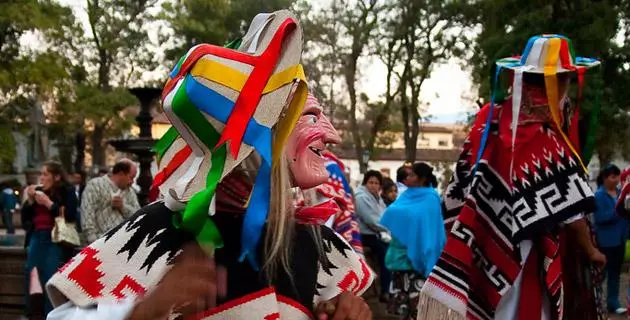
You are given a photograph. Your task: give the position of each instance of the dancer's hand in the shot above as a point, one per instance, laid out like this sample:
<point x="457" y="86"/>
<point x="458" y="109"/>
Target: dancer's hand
<point x="598" y="259"/>
<point x="346" y="306"/>
<point x="188" y="288"/>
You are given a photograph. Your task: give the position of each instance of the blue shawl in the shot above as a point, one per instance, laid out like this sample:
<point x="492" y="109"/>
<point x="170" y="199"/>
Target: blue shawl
<point x="415" y="219"/>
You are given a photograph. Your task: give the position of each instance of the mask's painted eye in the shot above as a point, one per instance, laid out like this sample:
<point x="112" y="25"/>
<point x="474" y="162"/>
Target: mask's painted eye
<point x="311" y="118"/>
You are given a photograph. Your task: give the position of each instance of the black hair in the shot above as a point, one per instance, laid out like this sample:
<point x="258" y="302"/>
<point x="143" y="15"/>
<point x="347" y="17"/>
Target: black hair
<point x="370" y="174"/>
<point x="122" y="166"/>
<point x="56" y="170"/>
<point x="82" y="173"/>
<point x="103" y="170"/>
<point x="388" y="185"/>
<point x="402" y="173"/>
<point x="423" y="170"/>
<point x="608" y="171"/>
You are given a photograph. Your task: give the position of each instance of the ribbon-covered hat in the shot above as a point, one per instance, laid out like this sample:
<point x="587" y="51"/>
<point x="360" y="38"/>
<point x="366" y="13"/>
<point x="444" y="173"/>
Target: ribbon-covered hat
<point x="224" y="104"/>
<point x="548" y="55"/>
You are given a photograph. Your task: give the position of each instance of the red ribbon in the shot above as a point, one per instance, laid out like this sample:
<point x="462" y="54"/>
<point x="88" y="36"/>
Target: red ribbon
<point x="163" y="175"/>
<point x="530" y="302"/>
<point x="247" y="101"/>
<point x="317" y="214"/>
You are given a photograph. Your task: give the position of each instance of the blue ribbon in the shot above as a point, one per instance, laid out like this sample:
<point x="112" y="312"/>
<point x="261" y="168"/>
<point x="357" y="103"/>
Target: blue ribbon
<point x="220" y="108"/>
<point x="257" y="136"/>
<point x="486" y="130"/>
<point x="528" y="48"/>
<point x="256" y="215"/>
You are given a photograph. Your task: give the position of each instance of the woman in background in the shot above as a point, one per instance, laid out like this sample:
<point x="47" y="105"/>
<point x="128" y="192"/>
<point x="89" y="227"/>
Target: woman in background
<point x="611" y="231"/>
<point x="390" y="192"/>
<point x="369" y="207"/>
<point x="418" y="236"/>
<point x="53" y="197"/>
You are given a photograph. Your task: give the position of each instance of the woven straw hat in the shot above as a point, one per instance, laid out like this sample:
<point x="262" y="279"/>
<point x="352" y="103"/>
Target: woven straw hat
<point x="224" y="104"/>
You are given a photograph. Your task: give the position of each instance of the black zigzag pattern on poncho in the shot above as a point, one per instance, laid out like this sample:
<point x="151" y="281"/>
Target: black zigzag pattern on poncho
<point x="153" y="223"/>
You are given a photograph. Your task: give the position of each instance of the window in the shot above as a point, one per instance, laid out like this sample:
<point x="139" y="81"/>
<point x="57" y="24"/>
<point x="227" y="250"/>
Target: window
<point x="443" y="143"/>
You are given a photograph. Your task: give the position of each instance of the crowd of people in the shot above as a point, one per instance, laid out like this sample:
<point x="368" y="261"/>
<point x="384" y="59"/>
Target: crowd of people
<point x="403" y="230"/>
<point x="253" y="215"/>
<point x="93" y="207"/>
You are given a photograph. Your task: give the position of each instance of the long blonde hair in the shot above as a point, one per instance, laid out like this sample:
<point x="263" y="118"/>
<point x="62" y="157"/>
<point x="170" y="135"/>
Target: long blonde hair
<point x="280" y="222"/>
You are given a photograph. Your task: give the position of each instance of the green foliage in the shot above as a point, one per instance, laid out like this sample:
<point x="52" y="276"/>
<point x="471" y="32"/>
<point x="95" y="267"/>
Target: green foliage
<point x="106" y="60"/>
<point x="14" y="23"/>
<point x="7" y="152"/>
<point x="93" y="106"/>
<point x="211" y="21"/>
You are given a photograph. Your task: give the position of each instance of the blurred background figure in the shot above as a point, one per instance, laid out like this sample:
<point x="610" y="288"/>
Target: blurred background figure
<point x="52" y="198"/>
<point x="623" y="204"/>
<point x="108" y="200"/>
<point x="369" y="208"/>
<point x="612" y="233"/>
<point x="402" y="176"/>
<point x="78" y="184"/>
<point x="389" y="193"/>
<point x="8" y="201"/>
<point x="418" y="236"/>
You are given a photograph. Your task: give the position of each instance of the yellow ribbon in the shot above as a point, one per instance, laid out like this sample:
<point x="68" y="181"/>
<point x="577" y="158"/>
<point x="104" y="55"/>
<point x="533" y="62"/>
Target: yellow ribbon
<point x="551" y="84"/>
<point x="286" y="125"/>
<point x="234" y="79"/>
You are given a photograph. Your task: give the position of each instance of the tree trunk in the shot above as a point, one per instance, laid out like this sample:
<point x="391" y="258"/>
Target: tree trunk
<point x="103" y="71"/>
<point x="350" y="77"/>
<point x="98" y="149"/>
<point x="79" y="160"/>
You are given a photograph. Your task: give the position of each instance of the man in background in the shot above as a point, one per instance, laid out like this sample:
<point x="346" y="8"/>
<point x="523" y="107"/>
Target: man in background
<point x="9" y="202"/>
<point x="109" y="200"/>
<point x="78" y="184"/>
<point x="402" y="178"/>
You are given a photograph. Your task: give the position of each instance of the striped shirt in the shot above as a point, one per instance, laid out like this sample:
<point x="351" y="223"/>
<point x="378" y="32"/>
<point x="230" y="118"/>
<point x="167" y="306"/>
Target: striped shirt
<point x="97" y="214"/>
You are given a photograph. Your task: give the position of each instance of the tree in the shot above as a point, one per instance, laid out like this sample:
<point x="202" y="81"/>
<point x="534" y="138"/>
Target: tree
<point x="416" y="36"/>
<point x="592" y="26"/>
<point x="25" y="75"/>
<point x="337" y="38"/>
<point x="106" y="60"/>
<point x="210" y="21"/>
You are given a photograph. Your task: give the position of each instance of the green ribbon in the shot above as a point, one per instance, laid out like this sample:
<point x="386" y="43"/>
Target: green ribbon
<point x="234" y="44"/>
<point x="165" y="142"/>
<point x="195" y="217"/>
<point x="593" y="125"/>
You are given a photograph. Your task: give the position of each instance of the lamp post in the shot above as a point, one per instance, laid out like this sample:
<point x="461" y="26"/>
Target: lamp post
<point x="365" y="158"/>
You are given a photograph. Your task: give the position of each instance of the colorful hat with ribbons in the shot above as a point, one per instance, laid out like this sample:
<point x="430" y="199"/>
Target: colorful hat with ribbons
<point x="230" y="107"/>
<point x="547" y="55"/>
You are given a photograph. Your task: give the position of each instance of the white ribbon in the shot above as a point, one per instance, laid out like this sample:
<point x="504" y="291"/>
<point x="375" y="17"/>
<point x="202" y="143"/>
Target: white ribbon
<point x="171" y="201"/>
<point x="537" y="54"/>
<point x="517" y="94"/>
<point x="184" y="180"/>
<point x="259" y="23"/>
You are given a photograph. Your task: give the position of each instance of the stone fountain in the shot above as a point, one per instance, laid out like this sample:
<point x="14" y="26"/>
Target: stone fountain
<point x="141" y="145"/>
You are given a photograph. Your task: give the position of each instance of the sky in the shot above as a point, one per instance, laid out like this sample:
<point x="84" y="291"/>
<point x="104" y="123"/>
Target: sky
<point x="442" y="92"/>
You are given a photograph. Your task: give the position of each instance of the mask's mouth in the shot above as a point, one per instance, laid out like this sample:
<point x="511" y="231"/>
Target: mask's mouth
<point x="316" y="150"/>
